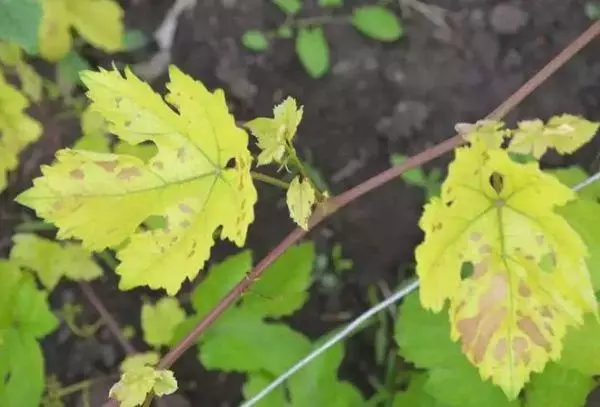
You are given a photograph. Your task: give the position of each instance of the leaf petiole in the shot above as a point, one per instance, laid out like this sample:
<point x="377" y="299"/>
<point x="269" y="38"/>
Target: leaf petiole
<point x="267" y="179"/>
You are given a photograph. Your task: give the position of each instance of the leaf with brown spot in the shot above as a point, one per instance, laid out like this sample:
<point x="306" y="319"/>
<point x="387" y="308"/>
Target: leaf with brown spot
<point x="512" y="313"/>
<point x="187" y="181"/>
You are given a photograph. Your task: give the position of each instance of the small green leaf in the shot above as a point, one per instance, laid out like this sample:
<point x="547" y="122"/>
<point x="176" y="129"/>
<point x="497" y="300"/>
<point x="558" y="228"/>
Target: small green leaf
<point x="289" y="6"/>
<point x="160" y="320"/>
<point x="21" y="370"/>
<point x="558" y="387"/>
<point x="19" y="22"/>
<point x="414" y="176"/>
<point x="313" y="51"/>
<point x="241" y="341"/>
<point x="285" y="31"/>
<point x="68" y="69"/>
<point x="283" y="287"/>
<point x="255" y="40"/>
<point x="134" y="39"/>
<point x="331" y="3"/>
<point x="52" y="260"/>
<point x="378" y="23"/>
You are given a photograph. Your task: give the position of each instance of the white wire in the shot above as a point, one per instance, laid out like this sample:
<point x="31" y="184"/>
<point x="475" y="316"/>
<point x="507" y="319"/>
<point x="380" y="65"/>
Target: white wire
<point x="397" y="296"/>
<point x="333" y="340"/>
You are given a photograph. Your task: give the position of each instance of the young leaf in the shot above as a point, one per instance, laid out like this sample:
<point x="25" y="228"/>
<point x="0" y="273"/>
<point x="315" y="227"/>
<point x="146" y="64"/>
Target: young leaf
<point x="255" y="40"/>
<point x="100" y="22"/>
<point x="491" y="132"/>
<point x="289" y="6"/>
<point x="283" y="288"/>
<point x="199" y="180"/>
<point x="19" y="22"/>
<point x="313" y="51"/>
<point x="331" y="3"/>
<point x="499" y="215"/>
<point x="160" y="320"/>
<point x="275" y="134"/>
<point x="300" y="200"/>
<point x="17" y="129"/>
<point x="137" y="383"/>
<point x="559" y="387"/>
<point x="139" y="360"/>
<point x="241" y="341"/>
<point x="424" y="339"/>
<point x="377" y="22"/>
<point x="565" y="133"/>
<point x="51" y="261"/>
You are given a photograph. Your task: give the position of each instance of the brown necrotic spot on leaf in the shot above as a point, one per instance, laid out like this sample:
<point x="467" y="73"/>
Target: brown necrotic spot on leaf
<point x="108" y="166"/>
<point x="158" y="165"/>
<point x="181" y="154"/>
<point x="77" y="174"/>
<point x="487" y="328"/>
<point x="546" y="312"/>
<point x="128" y="173"/>
<point x="520" y="349"/>
<point x="184" y="223"/>
<point x="57" y="206"/>
<point x="496" y="293"/>
<point x="475" y="236"/>
<point x="184" y="208"/>
<point x="500" y="349"/>
<point x="524" y="290"/>
<point x="529" y="328"/>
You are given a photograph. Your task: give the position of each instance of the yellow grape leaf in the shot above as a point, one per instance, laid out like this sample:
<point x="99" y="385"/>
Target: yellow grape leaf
<point x="17" y="130"/>
<point x="492" y="132"/>
<point x="138" y="381"/>
<point x="565" y="133"/>
<point x="160" y="320"/>
<point x="52" y="260"/>
<point x="275" y="134"/>
<point x="100" y="22"/>
<point x="199" y="180"/>
<point x="138" y="360"/>
<point x="300" y="201"/>
<point x="530" y="280"/>
<point x="31" y="82"/>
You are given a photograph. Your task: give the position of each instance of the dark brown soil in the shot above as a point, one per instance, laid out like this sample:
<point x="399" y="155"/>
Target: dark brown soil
<point x="378" y="99"/>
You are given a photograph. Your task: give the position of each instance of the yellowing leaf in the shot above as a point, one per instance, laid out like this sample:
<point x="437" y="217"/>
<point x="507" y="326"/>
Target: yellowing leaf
<point x="31" y="83"/>
<point x="300" y="201"/>
<point x="17" y="130"/>
<point x="100" y="22"/>
<point x="275" y="134"/>
<point x="489" y="131"/>
<point x="565" y="133"/>
<point x="530" y="280"/>
<point x="137" y="383"/>
<point x="51" y="260"/>
<point x="160" y="320"/>
<point x="138" y="360"/>
<point x="198" y="181"/>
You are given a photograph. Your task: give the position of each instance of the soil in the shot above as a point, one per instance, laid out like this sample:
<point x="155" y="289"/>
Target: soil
<point x="378" y="99"/>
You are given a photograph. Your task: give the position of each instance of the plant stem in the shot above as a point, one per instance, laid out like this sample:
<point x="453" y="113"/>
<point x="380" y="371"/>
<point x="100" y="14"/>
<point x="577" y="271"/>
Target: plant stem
<point x="300" y="167"/>
<point x="267" y="179"/>
<point x="73" y="388"/>
<point x="329" y="207"/>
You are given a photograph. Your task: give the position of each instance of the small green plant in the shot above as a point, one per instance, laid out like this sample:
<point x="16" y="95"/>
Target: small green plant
<point x="374" y="21"/>
<point x="510" y="252"/>
<point x="429" y="182"/>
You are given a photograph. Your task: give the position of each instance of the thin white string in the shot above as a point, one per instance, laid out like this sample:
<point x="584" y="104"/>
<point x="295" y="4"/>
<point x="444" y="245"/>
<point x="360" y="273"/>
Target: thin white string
<point x="397" y="296"/>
